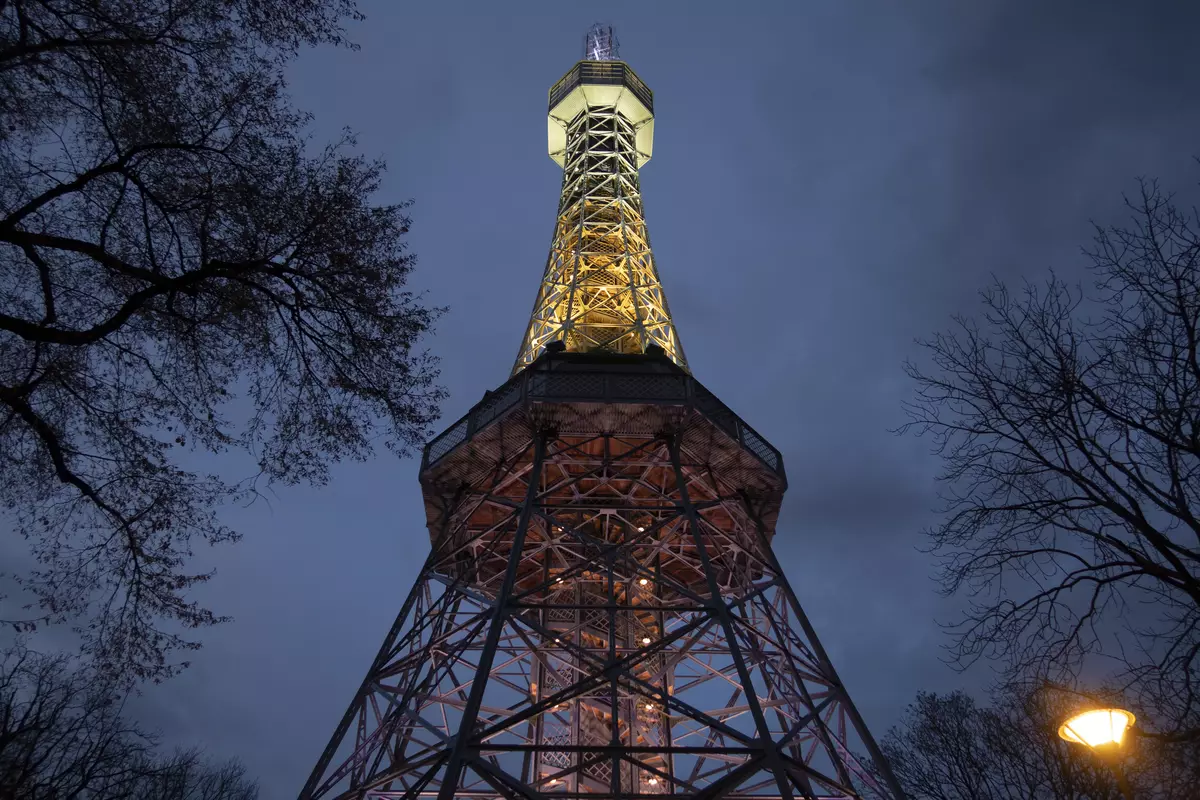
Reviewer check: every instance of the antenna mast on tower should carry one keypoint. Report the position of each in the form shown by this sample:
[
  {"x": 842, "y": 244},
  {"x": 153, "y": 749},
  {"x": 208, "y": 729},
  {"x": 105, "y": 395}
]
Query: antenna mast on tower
[{"x": 600, "y": 44}]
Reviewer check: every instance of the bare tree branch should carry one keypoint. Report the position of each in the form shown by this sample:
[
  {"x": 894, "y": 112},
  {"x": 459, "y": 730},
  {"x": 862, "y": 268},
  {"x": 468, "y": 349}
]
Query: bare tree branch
[
  {"x": 63, "y": 734},
  {"x": 948, "y": 747},
  {"x": 180, "y": 268},
  {"x": 1069, "y": 429}
]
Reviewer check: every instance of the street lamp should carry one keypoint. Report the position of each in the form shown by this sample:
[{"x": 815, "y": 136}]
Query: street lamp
[
  {"x": 1098, "y": 727},
  {"x": 1102, "y": 730}
]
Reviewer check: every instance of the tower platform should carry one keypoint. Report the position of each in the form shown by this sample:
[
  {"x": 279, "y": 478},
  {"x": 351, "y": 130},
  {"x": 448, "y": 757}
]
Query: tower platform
[{"x": 602, "y": 404}]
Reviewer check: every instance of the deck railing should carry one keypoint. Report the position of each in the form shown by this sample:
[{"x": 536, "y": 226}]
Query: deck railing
[
  {"x": 606, "y": 73},
  {"x": 608, "y": 384}
]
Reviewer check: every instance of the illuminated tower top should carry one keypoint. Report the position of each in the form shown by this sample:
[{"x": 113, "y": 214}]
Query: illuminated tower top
[{"x": 601, "y": 291}]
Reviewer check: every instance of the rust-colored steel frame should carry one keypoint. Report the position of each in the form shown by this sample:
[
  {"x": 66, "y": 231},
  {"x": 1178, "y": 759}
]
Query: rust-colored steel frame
[
  {"x": 600, "y": 291},
  {"x": 601, "y": 616}
]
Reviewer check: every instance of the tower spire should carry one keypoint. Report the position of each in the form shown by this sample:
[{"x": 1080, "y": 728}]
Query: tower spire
[
  {"x": 600, "y": 291},
  {"x": 600, "y": 44}
]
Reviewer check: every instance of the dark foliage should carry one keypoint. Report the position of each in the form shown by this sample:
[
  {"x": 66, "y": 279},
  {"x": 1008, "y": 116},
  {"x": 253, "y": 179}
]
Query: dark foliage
[
  {"x": 62, "y": 734},
  {"x": 181, "y": 269}
]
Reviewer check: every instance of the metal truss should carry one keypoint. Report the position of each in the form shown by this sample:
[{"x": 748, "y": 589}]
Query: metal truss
[
  {"x": 600, "y": 291},
  {"x": 601, "y": 615}
]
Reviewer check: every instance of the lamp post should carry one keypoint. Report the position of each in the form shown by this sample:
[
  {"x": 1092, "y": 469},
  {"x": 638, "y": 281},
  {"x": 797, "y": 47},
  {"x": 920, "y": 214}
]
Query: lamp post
[{"x": 1102, "y": 730}]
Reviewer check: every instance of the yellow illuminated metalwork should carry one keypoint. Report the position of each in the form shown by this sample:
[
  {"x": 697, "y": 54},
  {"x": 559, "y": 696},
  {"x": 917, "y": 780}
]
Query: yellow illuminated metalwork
[
  {"x": 600, "y": 291},
  {"x": 1097, "y": 728}
]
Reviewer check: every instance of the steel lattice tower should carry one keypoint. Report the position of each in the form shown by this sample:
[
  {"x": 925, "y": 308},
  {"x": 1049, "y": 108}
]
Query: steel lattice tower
[{"x": 601, "y": 613}]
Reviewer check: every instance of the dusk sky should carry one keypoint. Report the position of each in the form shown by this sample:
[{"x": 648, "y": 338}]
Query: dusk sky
[{"x": 830, "y": 181}]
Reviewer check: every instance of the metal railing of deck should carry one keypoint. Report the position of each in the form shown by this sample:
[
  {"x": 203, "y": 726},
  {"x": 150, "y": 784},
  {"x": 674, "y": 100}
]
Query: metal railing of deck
[
  {"x": 611, "y": 385},
  {"x": 608, "y": 73}
]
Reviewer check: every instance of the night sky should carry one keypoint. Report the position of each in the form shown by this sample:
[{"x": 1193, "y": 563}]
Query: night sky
[{"x": 830, "y": 181}]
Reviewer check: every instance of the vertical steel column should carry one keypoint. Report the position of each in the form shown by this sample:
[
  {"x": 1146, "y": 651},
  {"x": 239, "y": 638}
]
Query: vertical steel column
[
  {"x": 471, "y": 711},
  {"x": 856, "y": 719},
  {"x": 718, "y": 607},
  {"x": 380, "y": 659},
  {"x": 614, "y": 733}
]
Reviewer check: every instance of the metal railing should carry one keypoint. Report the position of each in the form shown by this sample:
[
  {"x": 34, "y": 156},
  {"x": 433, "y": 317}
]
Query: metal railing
[
  {"x": 605, "y": 73},
  {"x": 613, "y": 385}
]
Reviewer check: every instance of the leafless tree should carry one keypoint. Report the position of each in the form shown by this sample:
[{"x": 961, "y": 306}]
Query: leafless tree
[
  {"x": 63, "y": 735},
  {"x": 1068, "y": 422},
  {"x": 181, "y": 268},
  {"x": 948, "y": 747},
  {"x": 185, "y": 775}
]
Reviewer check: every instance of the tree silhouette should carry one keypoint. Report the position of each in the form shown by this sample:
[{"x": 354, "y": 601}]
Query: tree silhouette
[
  {"x": 949, "y": 747},
  {"x": 1069, "y": 428},
  {"x": 62, "y": 734},
  {"x": 181, "y": 268}
]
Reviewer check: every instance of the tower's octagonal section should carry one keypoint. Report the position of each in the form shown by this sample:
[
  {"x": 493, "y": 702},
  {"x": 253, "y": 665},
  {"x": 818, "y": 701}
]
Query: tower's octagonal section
[{"x": 608, "y": 410}]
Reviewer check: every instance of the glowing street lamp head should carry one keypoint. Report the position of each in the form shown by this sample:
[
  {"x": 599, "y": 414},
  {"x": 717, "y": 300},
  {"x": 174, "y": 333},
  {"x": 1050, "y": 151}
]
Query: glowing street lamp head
[{"x": 1097, "y": 728}]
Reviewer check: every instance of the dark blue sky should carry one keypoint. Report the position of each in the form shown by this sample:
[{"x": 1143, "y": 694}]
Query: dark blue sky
[{"x": 830, "y": 180}]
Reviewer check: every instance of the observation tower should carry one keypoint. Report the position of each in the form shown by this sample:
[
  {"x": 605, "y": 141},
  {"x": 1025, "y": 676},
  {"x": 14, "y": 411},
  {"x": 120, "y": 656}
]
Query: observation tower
[{"x": 601, "y": 614}]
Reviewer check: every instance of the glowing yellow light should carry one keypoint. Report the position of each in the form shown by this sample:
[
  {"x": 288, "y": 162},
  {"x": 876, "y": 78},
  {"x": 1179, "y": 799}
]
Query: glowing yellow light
[
  {"x": 553, "y": 781},
  {"x": 557, "y": 641},
  {"x": 558, "y": 580},
  {"x": 641, "y": 530},
  {"x": 643, "y": 581},
  {"x": 1098, "y": 727},
  {"x": 646, "y": 640},
  {"x": 653, "y": 781}
]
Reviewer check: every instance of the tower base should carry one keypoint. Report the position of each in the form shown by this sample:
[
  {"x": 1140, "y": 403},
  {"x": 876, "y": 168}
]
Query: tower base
[{"x": 601, "y": 614}]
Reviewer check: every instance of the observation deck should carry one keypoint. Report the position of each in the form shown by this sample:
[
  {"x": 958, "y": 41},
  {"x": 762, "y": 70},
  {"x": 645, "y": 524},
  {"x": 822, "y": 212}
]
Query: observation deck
[
  {"x": 605, "y": 379},
  {"x": 593, "y": 84},
  {"x": 585, "y": 397}
]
